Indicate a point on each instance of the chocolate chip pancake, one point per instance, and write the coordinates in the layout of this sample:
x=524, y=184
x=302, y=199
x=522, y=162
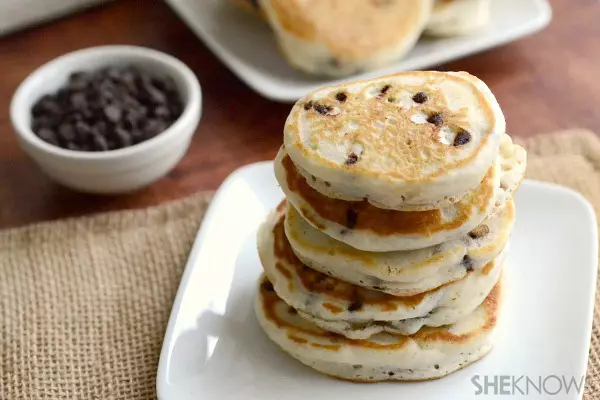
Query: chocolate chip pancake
x=366, y=227
x=401, y=273
x=410, y=141
x=430, y=353
x=336, y=38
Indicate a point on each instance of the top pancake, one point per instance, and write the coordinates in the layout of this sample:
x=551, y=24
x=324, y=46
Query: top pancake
x=413, y=140
x=335, y=37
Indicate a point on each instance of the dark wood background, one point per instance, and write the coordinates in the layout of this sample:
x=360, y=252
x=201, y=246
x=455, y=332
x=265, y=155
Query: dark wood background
x=545, y=82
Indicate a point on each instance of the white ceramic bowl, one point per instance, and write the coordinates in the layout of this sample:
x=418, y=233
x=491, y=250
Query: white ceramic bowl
x=113, y=171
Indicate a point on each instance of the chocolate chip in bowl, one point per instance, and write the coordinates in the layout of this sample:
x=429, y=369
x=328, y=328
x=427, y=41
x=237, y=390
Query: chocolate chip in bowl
x=108, y=119
x=107, y=109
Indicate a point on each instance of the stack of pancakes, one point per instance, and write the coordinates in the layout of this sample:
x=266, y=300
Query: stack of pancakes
x=341, y=37
x=385, y=260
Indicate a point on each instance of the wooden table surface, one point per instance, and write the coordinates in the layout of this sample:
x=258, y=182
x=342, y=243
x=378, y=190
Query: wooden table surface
x=545, y=82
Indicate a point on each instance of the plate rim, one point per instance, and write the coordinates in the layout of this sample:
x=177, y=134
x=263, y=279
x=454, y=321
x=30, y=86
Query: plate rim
x=163, y=364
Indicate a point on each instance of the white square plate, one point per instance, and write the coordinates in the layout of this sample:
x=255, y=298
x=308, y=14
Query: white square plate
x=247, y=46
x=215, y=350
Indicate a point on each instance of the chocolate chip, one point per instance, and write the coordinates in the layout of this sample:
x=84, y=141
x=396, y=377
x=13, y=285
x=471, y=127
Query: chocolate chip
x=107, y=109
x=327, y=184
x=420, y=97
x=355, y=306
x=78, y=81
x=351, y=218
x=66, y=132
x=267, y=286
x=385, y=89
x=48, y=135
x=467, y=262
x=308, y=105
x=462, y=137
x=79, y=101
x=292, y=310
x=352, y=159
x=436, y=366
x=113, y=113
x=83, y=129
x=357, y=366
x=480, y=231
x=343, y=231
x=153, y=127
x=100, y=143
x=125, y=138
x=436, y=119
x=341, y=97
x=391, y=373
x=161, y=112
x=321, y=109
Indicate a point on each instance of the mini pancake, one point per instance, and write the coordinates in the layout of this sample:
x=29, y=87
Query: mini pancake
x=366, y=227
x=400, y=273
x=428, y=354
x=356, y=312
x=410, y=141
x=336, y=38
x=458, y=17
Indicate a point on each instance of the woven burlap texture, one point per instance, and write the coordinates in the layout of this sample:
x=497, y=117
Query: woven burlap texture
x=84, y=302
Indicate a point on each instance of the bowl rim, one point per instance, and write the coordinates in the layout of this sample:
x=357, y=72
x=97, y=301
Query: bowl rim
x=171, y=65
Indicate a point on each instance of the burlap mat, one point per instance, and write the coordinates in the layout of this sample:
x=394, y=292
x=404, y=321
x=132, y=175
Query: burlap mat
x=84, y=302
